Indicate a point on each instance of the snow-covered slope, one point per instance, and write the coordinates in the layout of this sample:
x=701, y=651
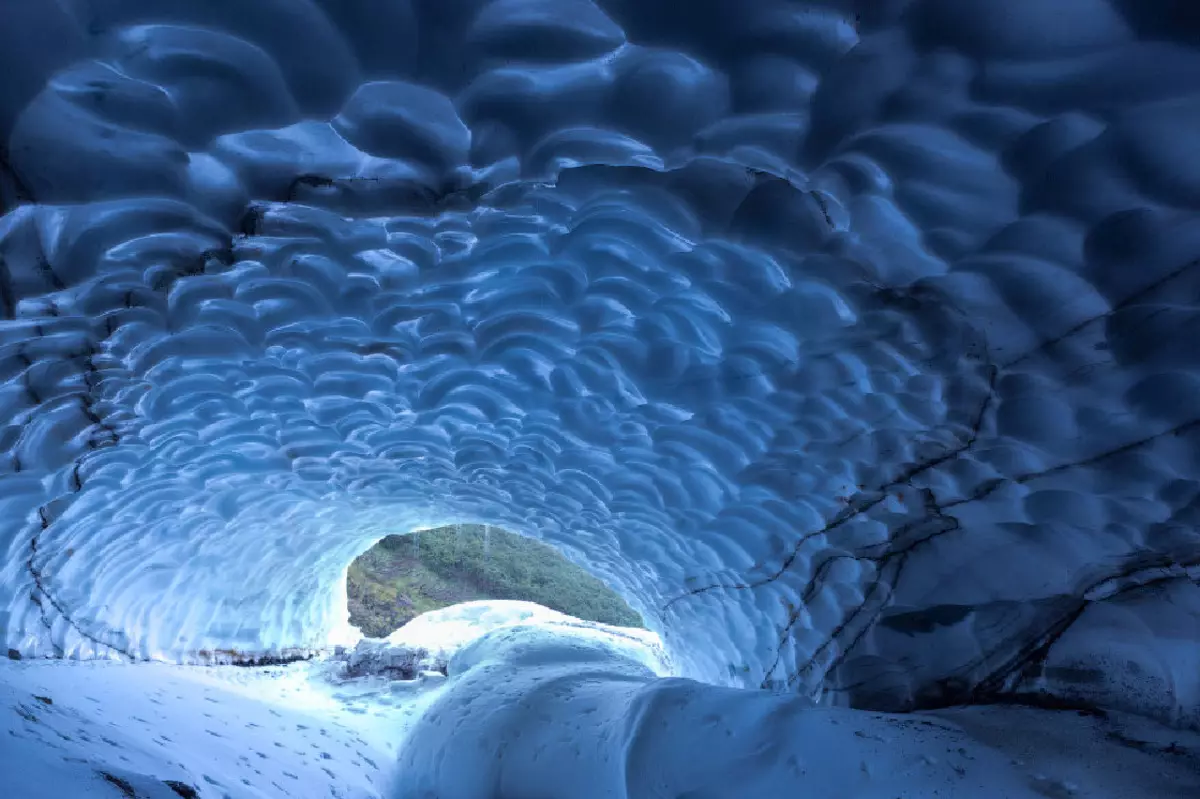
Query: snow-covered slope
x=851, y=341
x=535, y=705
x=328, y=727
x=544, y=711
x=223, y=732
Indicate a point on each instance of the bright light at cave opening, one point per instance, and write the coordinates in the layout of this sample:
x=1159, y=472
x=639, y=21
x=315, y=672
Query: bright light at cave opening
x=403, y=576
x=435, y=589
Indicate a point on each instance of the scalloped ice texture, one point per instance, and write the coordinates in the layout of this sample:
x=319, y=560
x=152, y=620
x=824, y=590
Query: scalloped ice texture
x=853, y=346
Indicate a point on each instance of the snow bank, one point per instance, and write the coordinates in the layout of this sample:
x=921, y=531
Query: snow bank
x=79, y=730
x=547, y=711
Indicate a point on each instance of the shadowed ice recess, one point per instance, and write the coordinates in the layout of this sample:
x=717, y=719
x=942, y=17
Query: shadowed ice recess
x=852, y=342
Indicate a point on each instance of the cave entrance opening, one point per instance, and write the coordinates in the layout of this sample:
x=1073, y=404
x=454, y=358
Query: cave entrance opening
x=403, y=576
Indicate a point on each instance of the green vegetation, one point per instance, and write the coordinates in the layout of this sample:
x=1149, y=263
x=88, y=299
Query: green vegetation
x=402, y=577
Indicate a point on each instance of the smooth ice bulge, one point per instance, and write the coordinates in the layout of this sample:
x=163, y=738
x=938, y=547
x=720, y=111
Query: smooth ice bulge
x=850, y=342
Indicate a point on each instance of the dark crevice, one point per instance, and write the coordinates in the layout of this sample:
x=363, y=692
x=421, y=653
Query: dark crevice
x=1029, y=660
x=251, y=221
x=11, y=184
x=8, y=293
x=42, y=596
x=192, y=265
x=46, y=270
x=1033, y=699
x=42, y=593
x=1127, y=302
x=380, y=195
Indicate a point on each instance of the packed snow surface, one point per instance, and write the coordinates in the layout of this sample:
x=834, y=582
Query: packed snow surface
x=536, y=705
x=852, y=342
x=330, y=726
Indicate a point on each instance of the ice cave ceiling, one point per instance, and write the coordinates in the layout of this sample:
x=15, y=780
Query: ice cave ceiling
x=853, y=342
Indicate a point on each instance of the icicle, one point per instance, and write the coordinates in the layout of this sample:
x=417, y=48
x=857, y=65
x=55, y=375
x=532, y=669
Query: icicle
x=417, y=544
x=487, y=528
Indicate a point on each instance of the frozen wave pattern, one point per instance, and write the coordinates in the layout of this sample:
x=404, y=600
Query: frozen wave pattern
x=852, y=346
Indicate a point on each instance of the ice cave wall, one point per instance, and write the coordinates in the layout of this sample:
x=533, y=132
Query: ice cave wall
x=852, y=342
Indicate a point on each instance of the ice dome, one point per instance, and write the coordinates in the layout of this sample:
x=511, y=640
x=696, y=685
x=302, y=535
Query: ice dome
x=849, y=340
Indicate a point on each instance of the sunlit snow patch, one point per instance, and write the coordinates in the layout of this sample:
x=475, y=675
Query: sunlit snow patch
x=426, y=646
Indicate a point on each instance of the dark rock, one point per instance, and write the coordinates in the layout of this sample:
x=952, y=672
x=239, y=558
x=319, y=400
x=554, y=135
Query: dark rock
x=14, y=654
x=182, y=788
x=121, y=785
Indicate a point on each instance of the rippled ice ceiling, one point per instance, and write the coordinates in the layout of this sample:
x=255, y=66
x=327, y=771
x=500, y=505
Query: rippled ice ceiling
x=852, y=342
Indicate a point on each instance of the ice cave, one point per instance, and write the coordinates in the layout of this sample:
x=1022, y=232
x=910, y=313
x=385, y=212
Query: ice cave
x=848, y=340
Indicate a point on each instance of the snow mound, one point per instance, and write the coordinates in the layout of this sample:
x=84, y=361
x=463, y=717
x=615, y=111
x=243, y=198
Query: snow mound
x=430, y=642
x=559, y=712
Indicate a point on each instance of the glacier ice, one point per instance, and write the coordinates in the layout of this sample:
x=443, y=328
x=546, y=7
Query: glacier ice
x=850, y=341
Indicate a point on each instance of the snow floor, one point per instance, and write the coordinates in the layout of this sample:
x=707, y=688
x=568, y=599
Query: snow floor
x=545, y=708
x=225, y=731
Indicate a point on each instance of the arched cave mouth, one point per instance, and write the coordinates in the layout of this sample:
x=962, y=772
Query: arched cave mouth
x=403, y=576
x=849, y=344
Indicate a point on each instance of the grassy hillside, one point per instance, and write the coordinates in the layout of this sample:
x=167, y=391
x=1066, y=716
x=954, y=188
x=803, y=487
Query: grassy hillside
x=402, y=577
